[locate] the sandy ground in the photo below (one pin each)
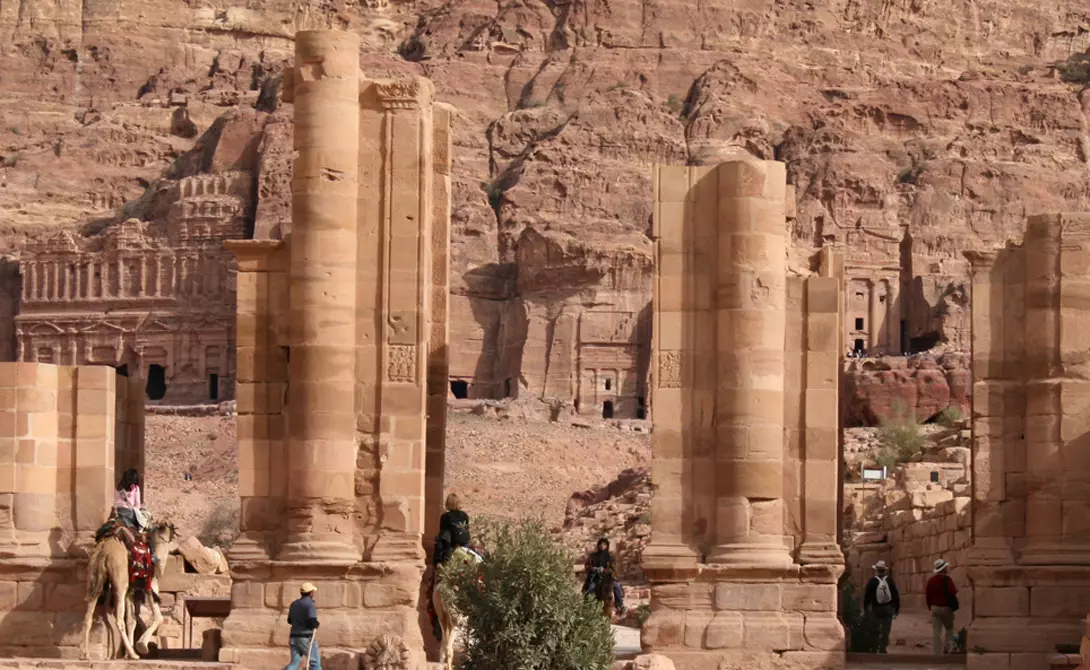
(507, 468)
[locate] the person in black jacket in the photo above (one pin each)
(453, 530)
(882, 600)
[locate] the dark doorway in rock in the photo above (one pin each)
(156, 387)
(859, 324)
(507, 388)
(859, 346)
(213, 386)
(641, 407)
(460, 388)
(609, 384)
(123, 370)
(607, 409)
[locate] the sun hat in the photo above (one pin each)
(306, 588)
(880, 565)
(940, 565)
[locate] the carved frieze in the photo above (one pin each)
(401, 366)
(669, 372)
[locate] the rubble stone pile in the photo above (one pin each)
(620, 511)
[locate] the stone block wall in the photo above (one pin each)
(62, 430)
(1030, 561)
(910, 541)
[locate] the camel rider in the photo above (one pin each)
(453, 530)
(129, 507)
(598, 562)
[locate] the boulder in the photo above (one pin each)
(204, 560)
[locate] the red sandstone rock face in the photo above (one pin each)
(921, 386)
(948, 120)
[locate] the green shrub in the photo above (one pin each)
(862, 630)
(643, 613)
(528, 613)
(900, 436)
(950, 417)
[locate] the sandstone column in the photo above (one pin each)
(820, 484)
(998, 399)
(682, 392)
(751, 335)
(438, 346)
(321, 413)
(1042, 371)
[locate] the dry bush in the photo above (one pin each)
(221, 527)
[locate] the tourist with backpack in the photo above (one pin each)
(882, 600)
(942, 599)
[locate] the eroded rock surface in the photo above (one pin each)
(950, 121)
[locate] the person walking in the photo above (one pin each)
(303, 617)
(942, 599)
(882, 600)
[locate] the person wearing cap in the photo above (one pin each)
(303, 618)
(941, 597)
(882, 600)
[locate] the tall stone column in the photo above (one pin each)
(1043, 413)
(1057, 393)
(820, 484)
(682, 392)
(751, 333)
(998, 401)
(438, 344)
(321, 412)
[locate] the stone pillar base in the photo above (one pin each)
(42, 606)
(732, 618)
(1022, 612)
(365, 608)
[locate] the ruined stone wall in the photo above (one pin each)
(62, 429)
(910, 541)
(1031, 546)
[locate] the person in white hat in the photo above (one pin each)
(303, 618)
(882, 600)
(942, 599)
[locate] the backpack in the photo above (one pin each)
(883, 595)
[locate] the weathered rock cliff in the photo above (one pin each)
(947, 120)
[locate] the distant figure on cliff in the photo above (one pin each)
(303, 618)
(882, 600)
(942, 600)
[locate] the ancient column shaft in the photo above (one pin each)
(321, 410)
(751, 330)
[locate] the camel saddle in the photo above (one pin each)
(140, 564)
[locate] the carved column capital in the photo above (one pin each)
(411, 93)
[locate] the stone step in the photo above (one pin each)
(904, 661)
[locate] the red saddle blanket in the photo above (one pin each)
(141, 567)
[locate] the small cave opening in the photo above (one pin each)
(607, 409)
(641, 407)
(459, 388)
(156, 387)
(213, 386)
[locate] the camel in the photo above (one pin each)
(448, 618)
(108, 574)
